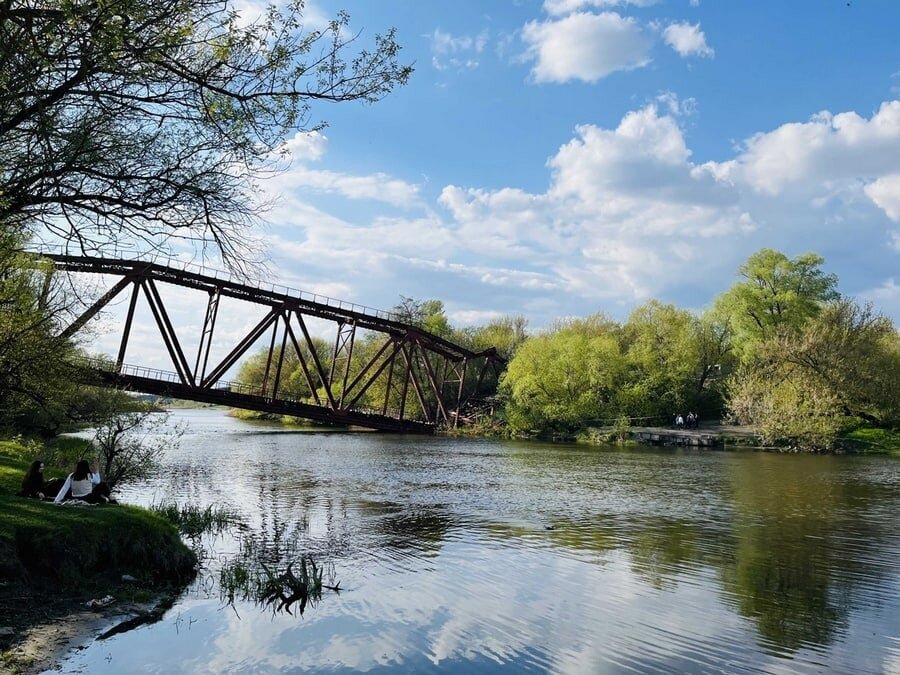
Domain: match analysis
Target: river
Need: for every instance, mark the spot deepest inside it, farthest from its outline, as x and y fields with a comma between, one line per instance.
x=472, y=555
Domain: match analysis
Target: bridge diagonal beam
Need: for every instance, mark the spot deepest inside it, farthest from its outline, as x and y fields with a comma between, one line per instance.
x=438, y=394
x=99, y=304
x=265, y=382
x=378, y=371
x=168, y=332
x=126, y=331
x=240, y=348
x=409, y=354
x=326, y=385
x=209, y=325
x=304, y=367
x=343, y=351
x=458, y=371
x=284, y=337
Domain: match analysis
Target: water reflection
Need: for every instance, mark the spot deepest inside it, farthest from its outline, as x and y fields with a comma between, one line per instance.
x=466, y=555
x=804, y=539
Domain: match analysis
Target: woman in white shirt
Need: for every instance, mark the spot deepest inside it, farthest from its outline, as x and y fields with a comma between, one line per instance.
x=84, y=485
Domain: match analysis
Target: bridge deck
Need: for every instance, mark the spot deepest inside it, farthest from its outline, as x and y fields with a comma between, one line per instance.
x=235, y=399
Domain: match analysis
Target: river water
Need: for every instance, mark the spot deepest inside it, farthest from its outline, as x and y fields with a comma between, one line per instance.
x=470, y=555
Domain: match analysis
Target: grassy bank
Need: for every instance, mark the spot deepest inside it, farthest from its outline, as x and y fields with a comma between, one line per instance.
x=871, y=440
x=53, y=557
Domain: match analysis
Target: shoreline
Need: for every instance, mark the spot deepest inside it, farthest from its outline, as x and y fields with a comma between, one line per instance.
x=46, y=645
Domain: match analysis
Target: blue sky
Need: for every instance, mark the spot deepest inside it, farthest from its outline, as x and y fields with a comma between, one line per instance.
x=564, y=157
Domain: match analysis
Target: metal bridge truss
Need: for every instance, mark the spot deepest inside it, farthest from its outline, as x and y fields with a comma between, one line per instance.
x=411, y=364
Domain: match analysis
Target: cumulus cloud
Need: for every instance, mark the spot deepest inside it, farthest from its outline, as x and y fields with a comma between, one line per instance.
x=687, y=39
x=629, y=214
x=378, y=187
x=885, y=192
x=585, y=46
x=828, y=150
x=625, y=207
x=307, y=146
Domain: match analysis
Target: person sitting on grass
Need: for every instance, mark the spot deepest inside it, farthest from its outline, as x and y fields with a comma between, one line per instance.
x=85, y=485
x=33, y=483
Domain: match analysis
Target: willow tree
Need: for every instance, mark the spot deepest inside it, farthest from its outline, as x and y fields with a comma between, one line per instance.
x=777, y=295
x=147, y=120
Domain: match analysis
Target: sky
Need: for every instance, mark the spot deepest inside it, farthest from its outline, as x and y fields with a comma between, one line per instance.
x=559, y=158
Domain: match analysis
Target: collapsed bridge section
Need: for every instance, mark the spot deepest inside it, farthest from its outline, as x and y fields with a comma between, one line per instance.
x=380, y=371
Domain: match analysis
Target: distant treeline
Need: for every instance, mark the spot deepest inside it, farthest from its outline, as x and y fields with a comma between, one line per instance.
x=782, y=349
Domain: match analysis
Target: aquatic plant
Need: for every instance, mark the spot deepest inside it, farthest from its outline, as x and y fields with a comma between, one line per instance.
x=273, y=589
x=194, y=521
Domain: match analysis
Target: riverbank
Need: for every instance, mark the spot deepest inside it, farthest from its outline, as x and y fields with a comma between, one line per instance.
x=54, y=558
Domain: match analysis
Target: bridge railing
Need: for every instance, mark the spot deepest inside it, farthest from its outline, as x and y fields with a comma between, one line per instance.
x=226, y=386
x=133, y=255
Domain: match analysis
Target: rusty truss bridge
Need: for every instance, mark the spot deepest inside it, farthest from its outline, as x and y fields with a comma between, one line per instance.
x=404, y=380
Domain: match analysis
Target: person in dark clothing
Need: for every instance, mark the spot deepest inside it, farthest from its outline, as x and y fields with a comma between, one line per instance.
x=33, y=483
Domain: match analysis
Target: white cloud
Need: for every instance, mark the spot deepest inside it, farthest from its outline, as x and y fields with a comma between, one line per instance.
x=687, y=39
x=307, y=146
x=312, y=146
x=378, y=187
x=458, y=52
x=624, y=210
x=678, y=107
x=885, y=192
x=557, y=7
x=628, y=214
x=585, y=46
x=822, y=152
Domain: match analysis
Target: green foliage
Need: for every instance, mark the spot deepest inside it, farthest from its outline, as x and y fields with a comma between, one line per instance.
x=145, y=120
x=873, y=440
x=803, y=388
x=786, y=406
x=35, y=379
x=505, y=334
x=778, y=295
x=662, y=360
x=561, y=379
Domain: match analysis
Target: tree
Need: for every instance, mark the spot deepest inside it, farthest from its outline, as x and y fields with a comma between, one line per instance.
x=778, y=294
x=130, y=445
x=804, y=387
x=505, y=334
x=147, y=120
x=429, y=315
x=564, y=378
x=35, y=375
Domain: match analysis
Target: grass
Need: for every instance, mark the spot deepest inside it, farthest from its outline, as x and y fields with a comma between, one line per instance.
x=875, y=441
